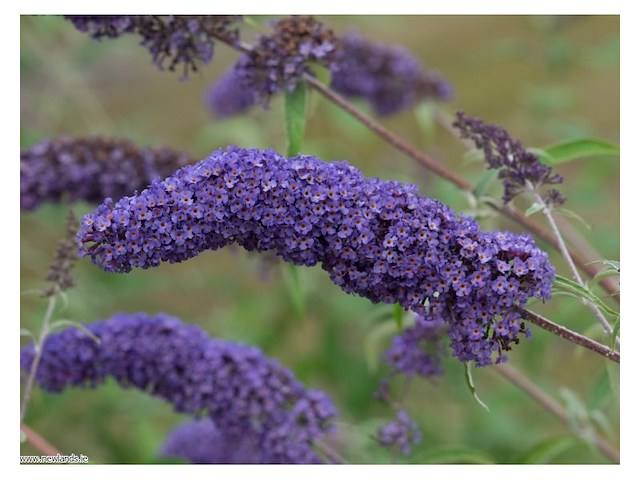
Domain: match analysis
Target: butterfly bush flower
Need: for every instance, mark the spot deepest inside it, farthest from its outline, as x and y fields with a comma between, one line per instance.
x=277, y=61
x=377, y=239
x=91, y=169
x=172, y=40
x=418, y=350
x=229, y=96
x=519, y=169
x=388, y=77
x=244, y=393
x=200, y=441
x=400, y=434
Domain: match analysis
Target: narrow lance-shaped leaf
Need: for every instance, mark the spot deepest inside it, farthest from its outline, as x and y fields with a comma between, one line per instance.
x=569, y=150
x=294, y=117
x=472, y=388
x=573, y=287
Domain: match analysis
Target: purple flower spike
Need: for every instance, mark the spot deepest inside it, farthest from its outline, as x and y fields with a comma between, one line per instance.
x=400, y=434
x=377, y=239
x=91, y=169
x=519, y=168
x=202, y=442
x=171, y=39
x=278, y=61
x=388, y=77
x=244, y=393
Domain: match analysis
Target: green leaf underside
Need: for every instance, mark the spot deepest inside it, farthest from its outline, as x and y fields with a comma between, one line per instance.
x=569, y=150
x=294, y=117
x=547, y=449
x=472, y=388
x=63, y=323
x=376, y=342
x=533, y=209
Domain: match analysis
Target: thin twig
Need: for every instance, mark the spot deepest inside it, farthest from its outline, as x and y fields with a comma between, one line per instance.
x=570, y=335
x=38, y=442
x=520, y=380
x=567, y=257
x=44, y=331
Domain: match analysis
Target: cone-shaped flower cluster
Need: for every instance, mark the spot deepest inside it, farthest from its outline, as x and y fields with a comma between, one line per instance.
x=388, y=77
x=400, y=434
x=377, y=239
x=171, y=39
x=278, y=61
x=417, y=350
x=91, y=169
x=519, y=168
x=241, y=390
x=200, y=441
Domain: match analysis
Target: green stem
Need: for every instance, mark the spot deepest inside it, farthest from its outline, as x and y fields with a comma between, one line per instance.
x=44, y=331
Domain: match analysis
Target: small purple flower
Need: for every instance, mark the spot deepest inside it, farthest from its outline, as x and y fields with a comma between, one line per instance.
x=92, y=169
x=171, y=39
x=400, y=262
x=243, y=392
x=200, y=441
x=518, y=167
x=400, y=434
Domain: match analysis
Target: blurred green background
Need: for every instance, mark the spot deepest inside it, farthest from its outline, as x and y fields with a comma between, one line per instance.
x=544, y=78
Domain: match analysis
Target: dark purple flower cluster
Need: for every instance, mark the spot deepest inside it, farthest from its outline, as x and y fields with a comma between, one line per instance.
x=388, y=77
x=417, y=351
x=171, y=39
x=277, y=61
x=519, y=168
x=91, y=169
x=229, y=96
x=200, y=441
x=400, y=434
x=241, y=390
x=377, y=239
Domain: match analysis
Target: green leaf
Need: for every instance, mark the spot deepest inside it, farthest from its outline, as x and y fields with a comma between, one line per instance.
x=425, y=114
x=321, y=72
x=23, y=437
x=63, y=323
x=294, y=107
x=398, y=315
x=485, y=182
x=571, y=214
x=605, y=272
x=577, y=416
x=296, y=289
x=546, y=450
x=534, y=208
x=25, y=332
x=452, y=454
x=472, y=156
x=472, y=388
x=375, y=342
x=569, y=150
x=611, y=263
x=615, y=333
x=573, y=287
